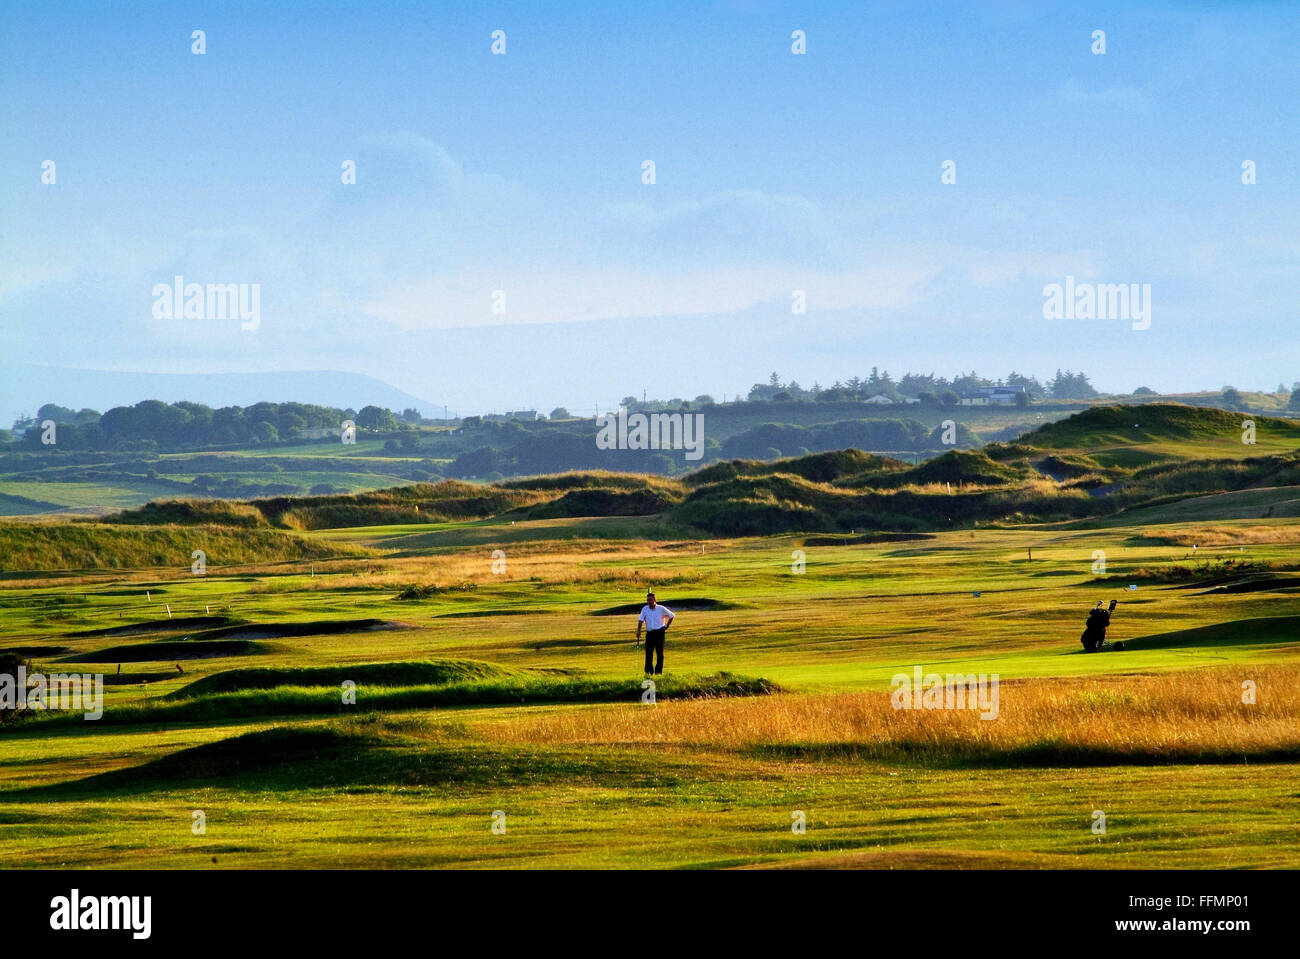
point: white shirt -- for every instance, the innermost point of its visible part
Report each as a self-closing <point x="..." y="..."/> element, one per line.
<point x="654" y="618"/>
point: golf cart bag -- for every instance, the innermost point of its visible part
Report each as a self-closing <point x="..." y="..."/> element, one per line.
<point x="1094" y="633"/>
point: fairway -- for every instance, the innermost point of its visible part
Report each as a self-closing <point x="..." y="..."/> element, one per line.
<point x="503" y="691"/>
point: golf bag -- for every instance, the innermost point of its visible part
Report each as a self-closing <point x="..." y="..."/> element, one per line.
<point x="1094" y="633"/>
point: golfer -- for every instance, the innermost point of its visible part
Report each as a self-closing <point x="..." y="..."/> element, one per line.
<point x="656" y="620"/>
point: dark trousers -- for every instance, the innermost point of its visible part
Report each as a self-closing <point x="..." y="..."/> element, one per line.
<point x="654" y="643"/>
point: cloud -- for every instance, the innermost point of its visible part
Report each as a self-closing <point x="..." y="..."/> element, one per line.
<point x="466" y="299"/>
<point x="726" y="227"/>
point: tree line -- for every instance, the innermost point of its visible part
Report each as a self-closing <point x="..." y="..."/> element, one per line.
<point x="155" y="425"/>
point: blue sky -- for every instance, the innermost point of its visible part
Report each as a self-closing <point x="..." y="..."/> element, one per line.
<point x="774" y="172"/>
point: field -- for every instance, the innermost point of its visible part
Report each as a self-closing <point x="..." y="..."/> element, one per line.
<point x="511" y="695"/>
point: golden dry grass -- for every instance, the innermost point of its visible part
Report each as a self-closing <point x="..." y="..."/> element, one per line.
<point x="1184" y="714"/>
<point x="1233" y="535"/>
<point x="546" y="567"/>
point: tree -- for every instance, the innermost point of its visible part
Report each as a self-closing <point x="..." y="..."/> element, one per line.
<point x="704" y="399"/>
<point x="1232" y="396"/>
<point x="560" y="413"/>
<point x="949" y="398"/>
<point x="1294" y="404"/>
<point x="1144" y="391"/>
<point x="1071" y="386"/>
<point x="376" y="418"/>
<point x="264" y="432"/>
<point x="60" y="414"/>
<point x="969" y="382"/>
<point x="1022" y="401"/>
<point x="1029" y="384"/>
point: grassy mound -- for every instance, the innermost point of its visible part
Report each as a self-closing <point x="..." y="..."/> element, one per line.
<point x="169" y="651"/>
<point x="604" y="502"/>
<point x="959" y="467"/>
<point x="513" y="688"/>
<point x="695" y="603"/>
<point x="194" y="512"/>
<point x="437" y="672"/>
<point x="1102" y="426"/>
<point x="416" y="591"/>
<point x="594" y="479"/>
<point x="418" y="503"/>
<point x="322" y="627"/>
<point x="94" y="546"/>
<point x="816" y="467"/>
<point x="760" y="505"/>
<point x="158" y="626"/>
<point x="1067" y="466"/>
<point x="1213" y="476"/>
<point x="31" y="652"/>
<point x="358" y="755"/>
<point x="259" y="754"/>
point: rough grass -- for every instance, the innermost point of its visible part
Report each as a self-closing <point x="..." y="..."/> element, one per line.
<point x="816" y="467"/>
<point x="1191" y="716"/>
<point x="85" y="546"/>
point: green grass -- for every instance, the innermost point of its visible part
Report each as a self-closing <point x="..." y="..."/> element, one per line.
<point x="289" y="776"/>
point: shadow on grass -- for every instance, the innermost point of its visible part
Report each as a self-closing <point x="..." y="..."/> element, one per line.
<point x="329" y="758"/>
<point x="1032" y="756"/>
<point x="1264" y="630"/>
<point x="168" y="651"/>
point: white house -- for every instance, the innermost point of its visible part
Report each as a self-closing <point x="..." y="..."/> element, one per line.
<point x="991" y="396"/>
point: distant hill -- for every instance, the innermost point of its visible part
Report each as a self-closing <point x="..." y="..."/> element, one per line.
<point x="1062" y="472"/>
<point x="24" y="388"/>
